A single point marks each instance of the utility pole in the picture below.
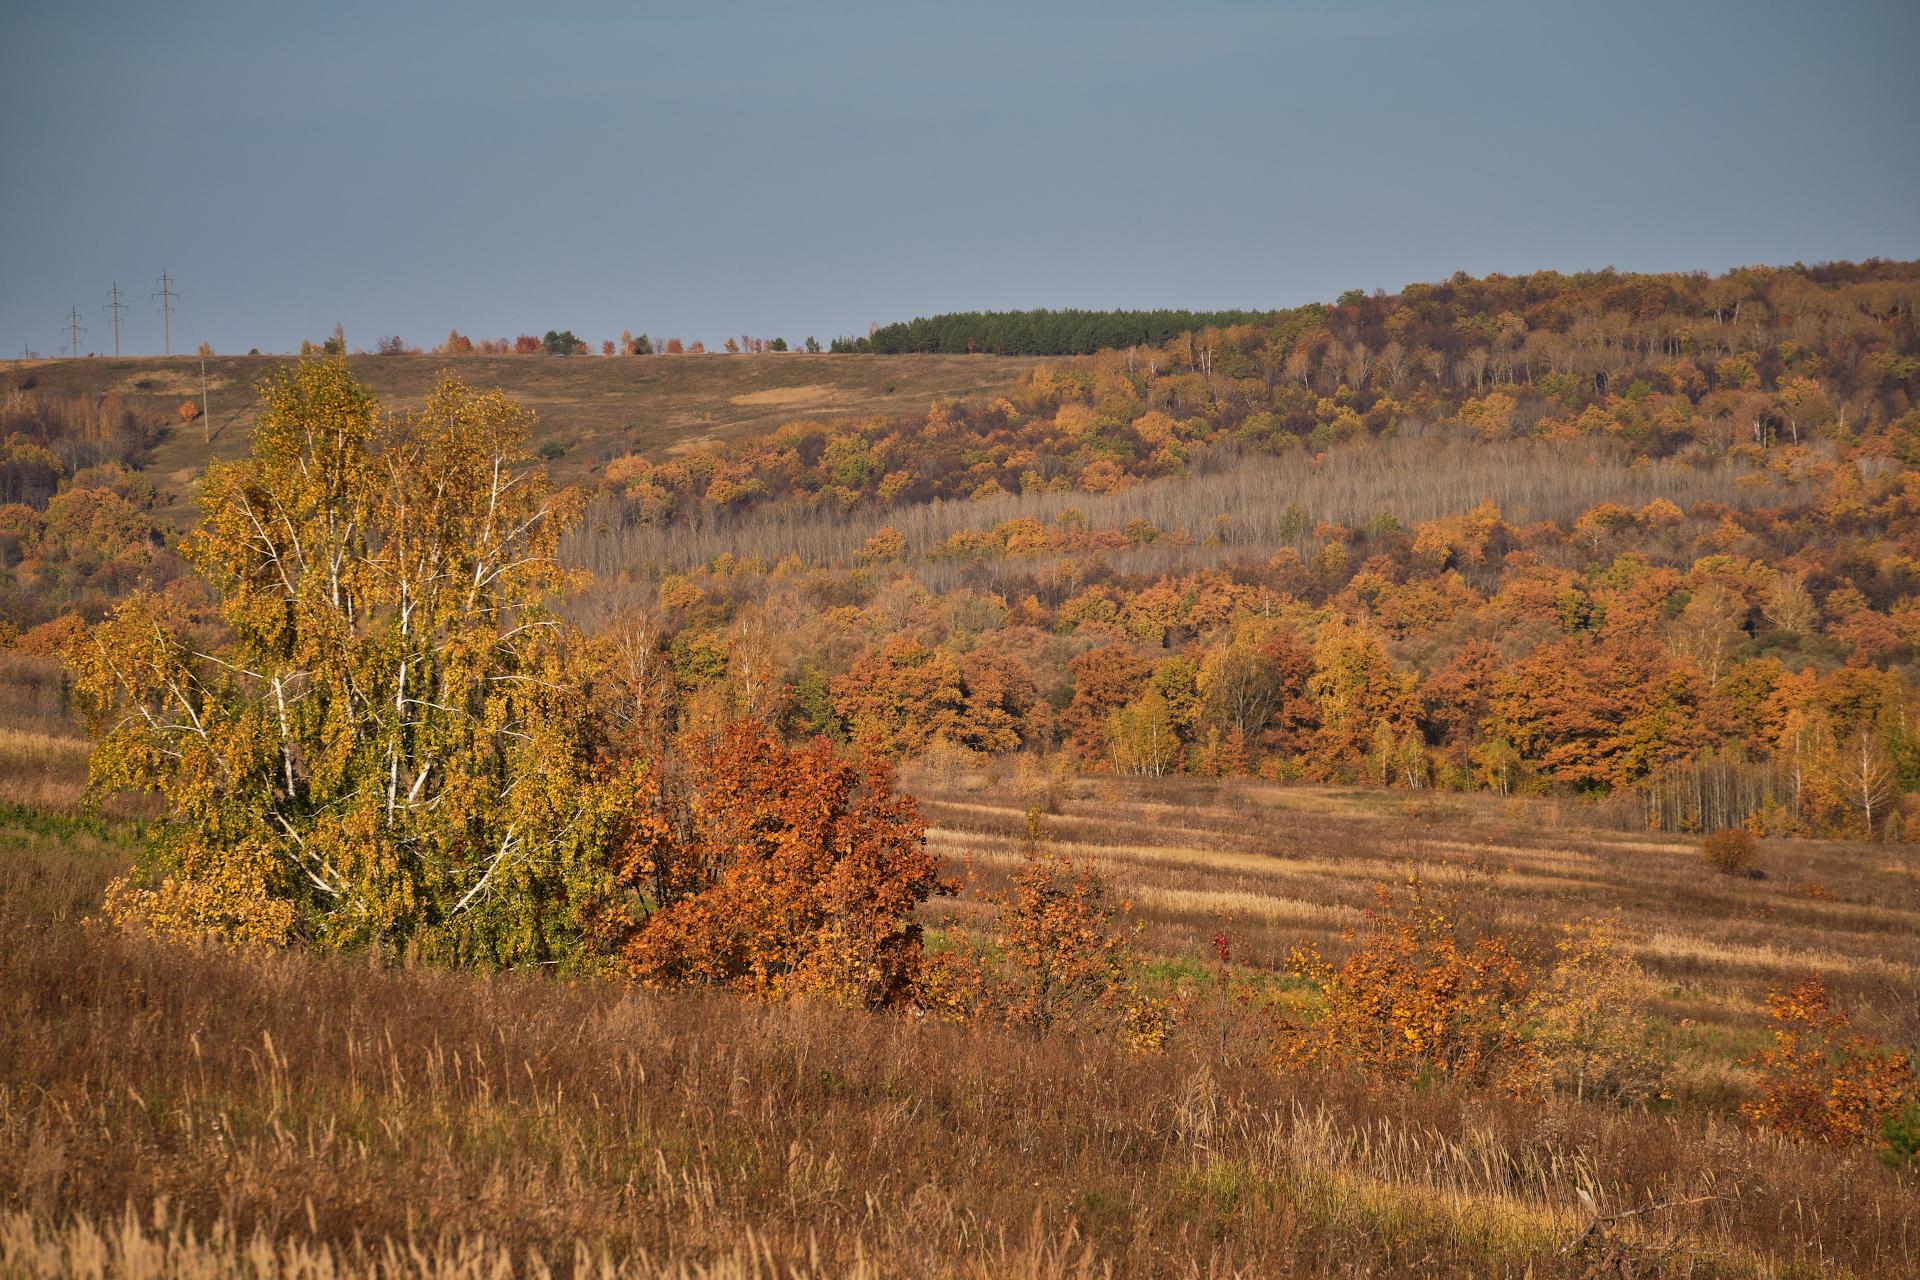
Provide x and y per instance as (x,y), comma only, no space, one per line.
(206,421)
(73,330)
(116,308)
(166,295)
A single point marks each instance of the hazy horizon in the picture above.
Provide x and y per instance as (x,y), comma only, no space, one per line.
(790,172)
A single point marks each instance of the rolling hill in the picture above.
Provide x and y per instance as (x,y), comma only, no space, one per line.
(596,407)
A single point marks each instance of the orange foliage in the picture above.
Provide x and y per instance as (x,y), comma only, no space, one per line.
(1067,947)
(900,698)
(1104,680)
(781,870)
(1730,850)
(1600,715)
(1823,1083)
(1418,997)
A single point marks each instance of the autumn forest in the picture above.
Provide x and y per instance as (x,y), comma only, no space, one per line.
(1421,783)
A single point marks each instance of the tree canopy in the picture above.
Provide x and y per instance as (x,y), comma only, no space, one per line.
(379,748)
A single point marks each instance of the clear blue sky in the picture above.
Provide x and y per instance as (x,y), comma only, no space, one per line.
(707,169)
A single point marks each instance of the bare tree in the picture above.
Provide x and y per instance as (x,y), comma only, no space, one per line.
(1395,364)
(1869,775)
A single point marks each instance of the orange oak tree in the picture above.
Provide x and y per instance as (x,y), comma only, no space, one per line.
(778,869)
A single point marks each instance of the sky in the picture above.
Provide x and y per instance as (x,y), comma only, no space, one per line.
(701,170)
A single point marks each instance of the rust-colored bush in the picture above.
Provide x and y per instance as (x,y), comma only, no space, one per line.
(1417,998)
(1822,1082)
(780,869)
(1730,851)
(1065,946)
(1068,946)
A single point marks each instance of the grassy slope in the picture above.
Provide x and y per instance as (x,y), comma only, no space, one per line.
(323,1101)
(318,1098)
(1273,865)
(599,407)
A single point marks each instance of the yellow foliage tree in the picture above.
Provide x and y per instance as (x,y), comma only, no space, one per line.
(384,751)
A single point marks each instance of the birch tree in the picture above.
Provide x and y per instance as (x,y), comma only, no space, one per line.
(379,747)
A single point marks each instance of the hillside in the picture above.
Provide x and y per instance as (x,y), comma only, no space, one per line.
(598,407)
(1423,786)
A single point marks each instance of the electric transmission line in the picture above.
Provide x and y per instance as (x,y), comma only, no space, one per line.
(116,307)
(166,293)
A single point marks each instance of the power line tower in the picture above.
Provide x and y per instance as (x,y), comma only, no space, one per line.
(116,308)
(73,331)
(166,294)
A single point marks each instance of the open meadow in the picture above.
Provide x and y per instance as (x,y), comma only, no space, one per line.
(198,1111)
(592,407)
(1268,867)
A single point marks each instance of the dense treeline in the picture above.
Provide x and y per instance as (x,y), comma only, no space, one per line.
(1699,564)
(1068,332)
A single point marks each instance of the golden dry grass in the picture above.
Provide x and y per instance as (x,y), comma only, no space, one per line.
(812,393)
(43,756)
(126,1246)
(42,770)
(1274,865)
(599,407)
(280,1114)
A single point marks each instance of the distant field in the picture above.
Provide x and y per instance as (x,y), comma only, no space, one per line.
(1273,865)
(599,407)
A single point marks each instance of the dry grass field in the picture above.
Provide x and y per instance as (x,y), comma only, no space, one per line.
(43,753)
(1271,866)
(598,407)
(181,1113)
(290,1114)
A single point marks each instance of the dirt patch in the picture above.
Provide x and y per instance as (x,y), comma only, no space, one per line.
(806,393)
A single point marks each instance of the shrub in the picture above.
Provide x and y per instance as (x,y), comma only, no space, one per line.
(1063,936)
(1730,851)
(1900,1138)
(1417,998)
(1822,1082)
(1588,1026)
(780,870)
(1065,947)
